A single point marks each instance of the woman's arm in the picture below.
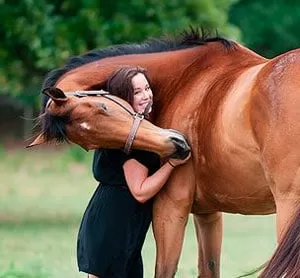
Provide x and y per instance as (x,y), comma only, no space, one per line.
(142,186)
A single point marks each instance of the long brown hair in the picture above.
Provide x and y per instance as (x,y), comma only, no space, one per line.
(119,82)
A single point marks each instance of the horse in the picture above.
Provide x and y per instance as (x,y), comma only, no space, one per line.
(240,113)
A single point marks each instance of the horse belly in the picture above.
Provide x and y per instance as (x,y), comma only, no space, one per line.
(238,185)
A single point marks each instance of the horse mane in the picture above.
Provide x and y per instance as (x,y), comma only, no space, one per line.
(186,39)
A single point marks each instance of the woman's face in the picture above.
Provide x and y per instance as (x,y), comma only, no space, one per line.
(142,93)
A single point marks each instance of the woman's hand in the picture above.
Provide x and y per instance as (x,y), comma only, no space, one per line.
(176,162)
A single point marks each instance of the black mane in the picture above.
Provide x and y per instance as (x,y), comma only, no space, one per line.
(53,126)
(191,38)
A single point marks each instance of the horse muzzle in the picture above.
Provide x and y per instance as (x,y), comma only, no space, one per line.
(182,147)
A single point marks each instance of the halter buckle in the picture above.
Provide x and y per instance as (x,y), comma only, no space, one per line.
(139,115)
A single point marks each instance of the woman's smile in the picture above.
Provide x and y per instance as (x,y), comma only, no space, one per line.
(142,93)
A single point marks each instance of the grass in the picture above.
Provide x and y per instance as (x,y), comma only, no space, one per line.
(43,194)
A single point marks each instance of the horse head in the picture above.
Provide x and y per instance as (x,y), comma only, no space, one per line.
(96,119)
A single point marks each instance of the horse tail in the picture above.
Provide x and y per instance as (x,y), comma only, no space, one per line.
(285,262)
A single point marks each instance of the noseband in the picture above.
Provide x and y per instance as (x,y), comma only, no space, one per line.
(138,117)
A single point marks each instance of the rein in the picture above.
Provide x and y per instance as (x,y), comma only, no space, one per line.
(138,117)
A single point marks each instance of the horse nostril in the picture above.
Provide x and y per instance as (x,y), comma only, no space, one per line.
(182,148)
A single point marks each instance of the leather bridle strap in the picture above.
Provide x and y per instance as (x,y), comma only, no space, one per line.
(100,93)
(136,123)
(138,117)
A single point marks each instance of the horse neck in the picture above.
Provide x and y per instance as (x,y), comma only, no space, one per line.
(170,71)
(160,65)
(177,74)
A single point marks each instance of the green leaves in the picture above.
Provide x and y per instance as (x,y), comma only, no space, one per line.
(268,27)
(38,36)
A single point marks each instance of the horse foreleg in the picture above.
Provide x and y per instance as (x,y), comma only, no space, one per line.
(209,230)
(169,223)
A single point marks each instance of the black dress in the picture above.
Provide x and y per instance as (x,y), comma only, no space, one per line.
(114,225)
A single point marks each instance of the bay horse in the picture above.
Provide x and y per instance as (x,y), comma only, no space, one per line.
(241,115)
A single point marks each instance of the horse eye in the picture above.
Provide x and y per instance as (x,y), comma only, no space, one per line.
(103,106)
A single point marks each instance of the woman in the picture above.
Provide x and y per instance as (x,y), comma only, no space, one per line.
(116,221)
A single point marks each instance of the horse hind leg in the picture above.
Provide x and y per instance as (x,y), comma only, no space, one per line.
(209,230)
(285,262)
(284,178)
(275,120)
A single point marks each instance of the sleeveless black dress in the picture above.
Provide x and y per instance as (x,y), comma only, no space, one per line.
(114,225)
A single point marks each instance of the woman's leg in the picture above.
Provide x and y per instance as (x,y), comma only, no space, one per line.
(136,269)
(103,234)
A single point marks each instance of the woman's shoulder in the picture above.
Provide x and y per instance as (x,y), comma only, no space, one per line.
(109,152)
(143,153)
(144,157)
(109,155)
(149,159)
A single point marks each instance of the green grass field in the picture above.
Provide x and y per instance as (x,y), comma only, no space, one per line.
(43,194)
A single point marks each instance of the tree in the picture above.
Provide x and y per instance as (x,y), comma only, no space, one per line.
(38,36)
(268,27)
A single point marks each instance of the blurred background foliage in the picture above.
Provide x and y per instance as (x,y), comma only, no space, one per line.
(41,35)
(268,27)
(38,36)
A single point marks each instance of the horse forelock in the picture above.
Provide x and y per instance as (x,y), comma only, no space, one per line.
(189,38)
(53,126)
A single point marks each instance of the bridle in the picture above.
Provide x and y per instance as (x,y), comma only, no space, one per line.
(137,117)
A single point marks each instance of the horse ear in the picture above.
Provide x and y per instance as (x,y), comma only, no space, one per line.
(38,141)
(56,94)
